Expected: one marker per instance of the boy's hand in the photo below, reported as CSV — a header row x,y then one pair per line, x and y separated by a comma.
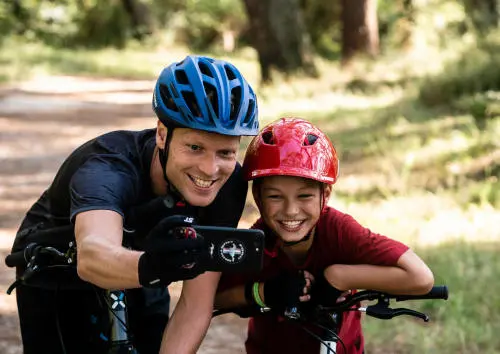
x,y
287,290
307,288
323,293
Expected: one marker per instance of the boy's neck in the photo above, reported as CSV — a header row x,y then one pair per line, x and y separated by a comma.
x,y
297,253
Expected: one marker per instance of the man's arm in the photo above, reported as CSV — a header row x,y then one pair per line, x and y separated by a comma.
x,y
410,276
192,315
102,260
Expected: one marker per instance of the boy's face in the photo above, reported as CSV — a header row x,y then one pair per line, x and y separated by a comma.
x,y
290,206
199,163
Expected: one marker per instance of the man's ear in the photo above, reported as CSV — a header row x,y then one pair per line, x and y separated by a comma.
x,y
161,134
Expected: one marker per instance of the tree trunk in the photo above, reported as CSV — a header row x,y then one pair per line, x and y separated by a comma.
x,y
277,33
140,17
359,29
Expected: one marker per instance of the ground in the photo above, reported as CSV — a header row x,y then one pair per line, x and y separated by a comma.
x,y
41,122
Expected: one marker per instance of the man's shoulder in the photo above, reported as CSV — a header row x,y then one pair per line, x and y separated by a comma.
x,y
119,140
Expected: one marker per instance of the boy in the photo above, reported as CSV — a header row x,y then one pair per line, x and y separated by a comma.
x,y
293,166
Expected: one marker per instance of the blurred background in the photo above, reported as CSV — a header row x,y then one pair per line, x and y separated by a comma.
x,y
408,91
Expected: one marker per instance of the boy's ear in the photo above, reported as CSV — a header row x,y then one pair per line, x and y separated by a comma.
x,y
161,134
256,193
327,190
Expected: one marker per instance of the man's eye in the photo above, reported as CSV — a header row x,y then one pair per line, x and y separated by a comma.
x,y
228,153
195,147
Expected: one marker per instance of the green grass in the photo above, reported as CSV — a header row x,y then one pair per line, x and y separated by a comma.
x,y
19,60
468,322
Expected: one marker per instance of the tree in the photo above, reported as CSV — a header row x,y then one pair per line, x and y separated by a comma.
x,y
484,14
277,33
359,29
140,18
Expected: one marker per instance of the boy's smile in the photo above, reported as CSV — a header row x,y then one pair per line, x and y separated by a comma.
x,y
290,206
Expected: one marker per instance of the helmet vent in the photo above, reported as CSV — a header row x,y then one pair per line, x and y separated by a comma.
x,y
205,70
235,101
268,137
250,111
167,98
310,139
181,77
190,100
229,72
212,96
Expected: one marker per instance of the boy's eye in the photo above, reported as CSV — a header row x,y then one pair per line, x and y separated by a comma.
x,y
305,196
273,196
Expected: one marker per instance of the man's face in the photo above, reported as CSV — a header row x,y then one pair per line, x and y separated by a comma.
x,y
199,163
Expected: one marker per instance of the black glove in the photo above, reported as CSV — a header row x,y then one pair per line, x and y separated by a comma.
x,y
172,251
284,290
323,293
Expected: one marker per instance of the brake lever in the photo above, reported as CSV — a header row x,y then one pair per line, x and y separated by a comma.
x,y
383,312
403,311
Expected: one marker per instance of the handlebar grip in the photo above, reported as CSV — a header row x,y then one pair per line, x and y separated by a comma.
x,y
437,292
15,259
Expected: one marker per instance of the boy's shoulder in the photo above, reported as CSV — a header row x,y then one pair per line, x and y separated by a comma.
x,y
329,215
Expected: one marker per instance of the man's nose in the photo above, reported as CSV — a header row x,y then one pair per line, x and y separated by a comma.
x,y
209,165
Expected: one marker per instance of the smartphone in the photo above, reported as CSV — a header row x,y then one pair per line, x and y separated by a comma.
x,y
233,250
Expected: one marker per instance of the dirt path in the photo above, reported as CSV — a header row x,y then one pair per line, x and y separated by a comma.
x,y
40,124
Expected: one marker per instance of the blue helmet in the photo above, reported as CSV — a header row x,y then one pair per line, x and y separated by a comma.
x,y
206,94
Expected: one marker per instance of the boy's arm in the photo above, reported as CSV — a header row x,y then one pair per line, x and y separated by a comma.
x,y
409,276
192,315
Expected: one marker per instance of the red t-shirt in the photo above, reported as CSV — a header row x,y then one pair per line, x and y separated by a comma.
x,y
339,239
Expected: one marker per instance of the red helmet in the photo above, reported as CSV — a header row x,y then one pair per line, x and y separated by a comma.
x,y
292,147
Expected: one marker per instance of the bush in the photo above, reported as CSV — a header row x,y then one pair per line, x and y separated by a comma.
x,y
475,72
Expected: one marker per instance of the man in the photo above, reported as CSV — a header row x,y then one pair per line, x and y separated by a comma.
x,y
125,183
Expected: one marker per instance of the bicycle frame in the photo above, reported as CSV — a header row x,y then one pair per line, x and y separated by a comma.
x,y
115,300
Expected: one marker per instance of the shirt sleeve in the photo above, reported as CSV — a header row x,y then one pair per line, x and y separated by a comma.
x,y
104,182
359,245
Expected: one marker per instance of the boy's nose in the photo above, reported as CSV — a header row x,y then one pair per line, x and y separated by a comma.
x,y
291,208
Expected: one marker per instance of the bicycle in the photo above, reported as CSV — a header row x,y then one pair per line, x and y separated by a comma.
x,y
39,258
328,318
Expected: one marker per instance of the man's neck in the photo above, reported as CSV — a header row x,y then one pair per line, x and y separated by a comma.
x,y
159,185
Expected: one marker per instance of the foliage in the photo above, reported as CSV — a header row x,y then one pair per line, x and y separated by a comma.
x,y
203,22
475,72
465,323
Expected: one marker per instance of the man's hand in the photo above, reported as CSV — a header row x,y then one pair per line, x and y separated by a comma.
x,y
172,252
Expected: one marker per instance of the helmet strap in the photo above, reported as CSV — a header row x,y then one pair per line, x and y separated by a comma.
x,y
172,196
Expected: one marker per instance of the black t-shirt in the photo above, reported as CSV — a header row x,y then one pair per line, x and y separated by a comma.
x,y
112,172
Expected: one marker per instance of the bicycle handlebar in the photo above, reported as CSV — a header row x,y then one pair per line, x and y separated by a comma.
x,y
22,258
437,292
